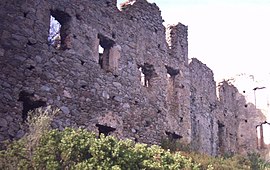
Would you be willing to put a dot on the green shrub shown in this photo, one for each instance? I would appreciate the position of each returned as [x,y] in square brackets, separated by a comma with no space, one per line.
[173,145]
[257,163]
[80,149]
[42,148]
[19,154]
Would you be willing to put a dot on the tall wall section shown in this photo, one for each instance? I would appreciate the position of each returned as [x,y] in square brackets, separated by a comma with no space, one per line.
[132,90]
[140,87]
[240,120]
[203,100]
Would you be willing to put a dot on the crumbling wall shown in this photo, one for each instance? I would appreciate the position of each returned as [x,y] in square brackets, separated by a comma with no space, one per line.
[203,103]
[74,79]
[231,103]
[178,88]
[140,87]
[240,131]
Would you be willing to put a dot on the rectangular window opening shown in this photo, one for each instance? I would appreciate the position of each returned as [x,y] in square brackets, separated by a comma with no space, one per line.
[54,38]
[144,82]
[147,73]
[100,59]
[263,137]
[109,54]
[59,31]
[258,130]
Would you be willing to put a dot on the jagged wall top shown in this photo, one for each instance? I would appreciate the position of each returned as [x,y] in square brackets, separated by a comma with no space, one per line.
[74,79]
[178,42]
[140,86]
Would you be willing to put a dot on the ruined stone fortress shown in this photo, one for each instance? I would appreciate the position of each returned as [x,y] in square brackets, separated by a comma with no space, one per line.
[142,86]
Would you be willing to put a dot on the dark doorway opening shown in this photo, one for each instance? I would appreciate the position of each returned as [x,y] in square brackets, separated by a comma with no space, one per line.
[106,130]
[29,103]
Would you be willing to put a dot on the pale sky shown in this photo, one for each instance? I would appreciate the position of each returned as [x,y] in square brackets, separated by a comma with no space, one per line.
[229,36]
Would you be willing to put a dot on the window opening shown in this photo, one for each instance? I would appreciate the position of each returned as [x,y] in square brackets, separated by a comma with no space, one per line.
[29,103]
[171,73]
[172,138]
[143,81]
[147,73]
[59,31]
[173,135]
[109,53]
[263,137]
[100,52]
[106,130]
[54,38]
[266,129]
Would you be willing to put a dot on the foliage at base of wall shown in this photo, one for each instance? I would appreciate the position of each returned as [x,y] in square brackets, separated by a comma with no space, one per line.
[43,148]
[228,161]
[80,149]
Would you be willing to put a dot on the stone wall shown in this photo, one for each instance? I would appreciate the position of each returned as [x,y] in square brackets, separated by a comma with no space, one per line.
[140,87]
[203,104]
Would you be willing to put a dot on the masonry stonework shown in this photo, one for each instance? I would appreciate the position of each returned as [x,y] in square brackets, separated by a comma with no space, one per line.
[141,87]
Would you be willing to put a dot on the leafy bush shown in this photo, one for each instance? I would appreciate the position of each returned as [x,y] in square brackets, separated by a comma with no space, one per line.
[173,145]
[220,163]
[257,162]
[77,149]
[43,148]
[20,153]
[80,149]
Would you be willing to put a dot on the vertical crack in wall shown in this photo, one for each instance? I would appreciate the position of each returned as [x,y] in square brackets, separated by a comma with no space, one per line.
[221,137]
